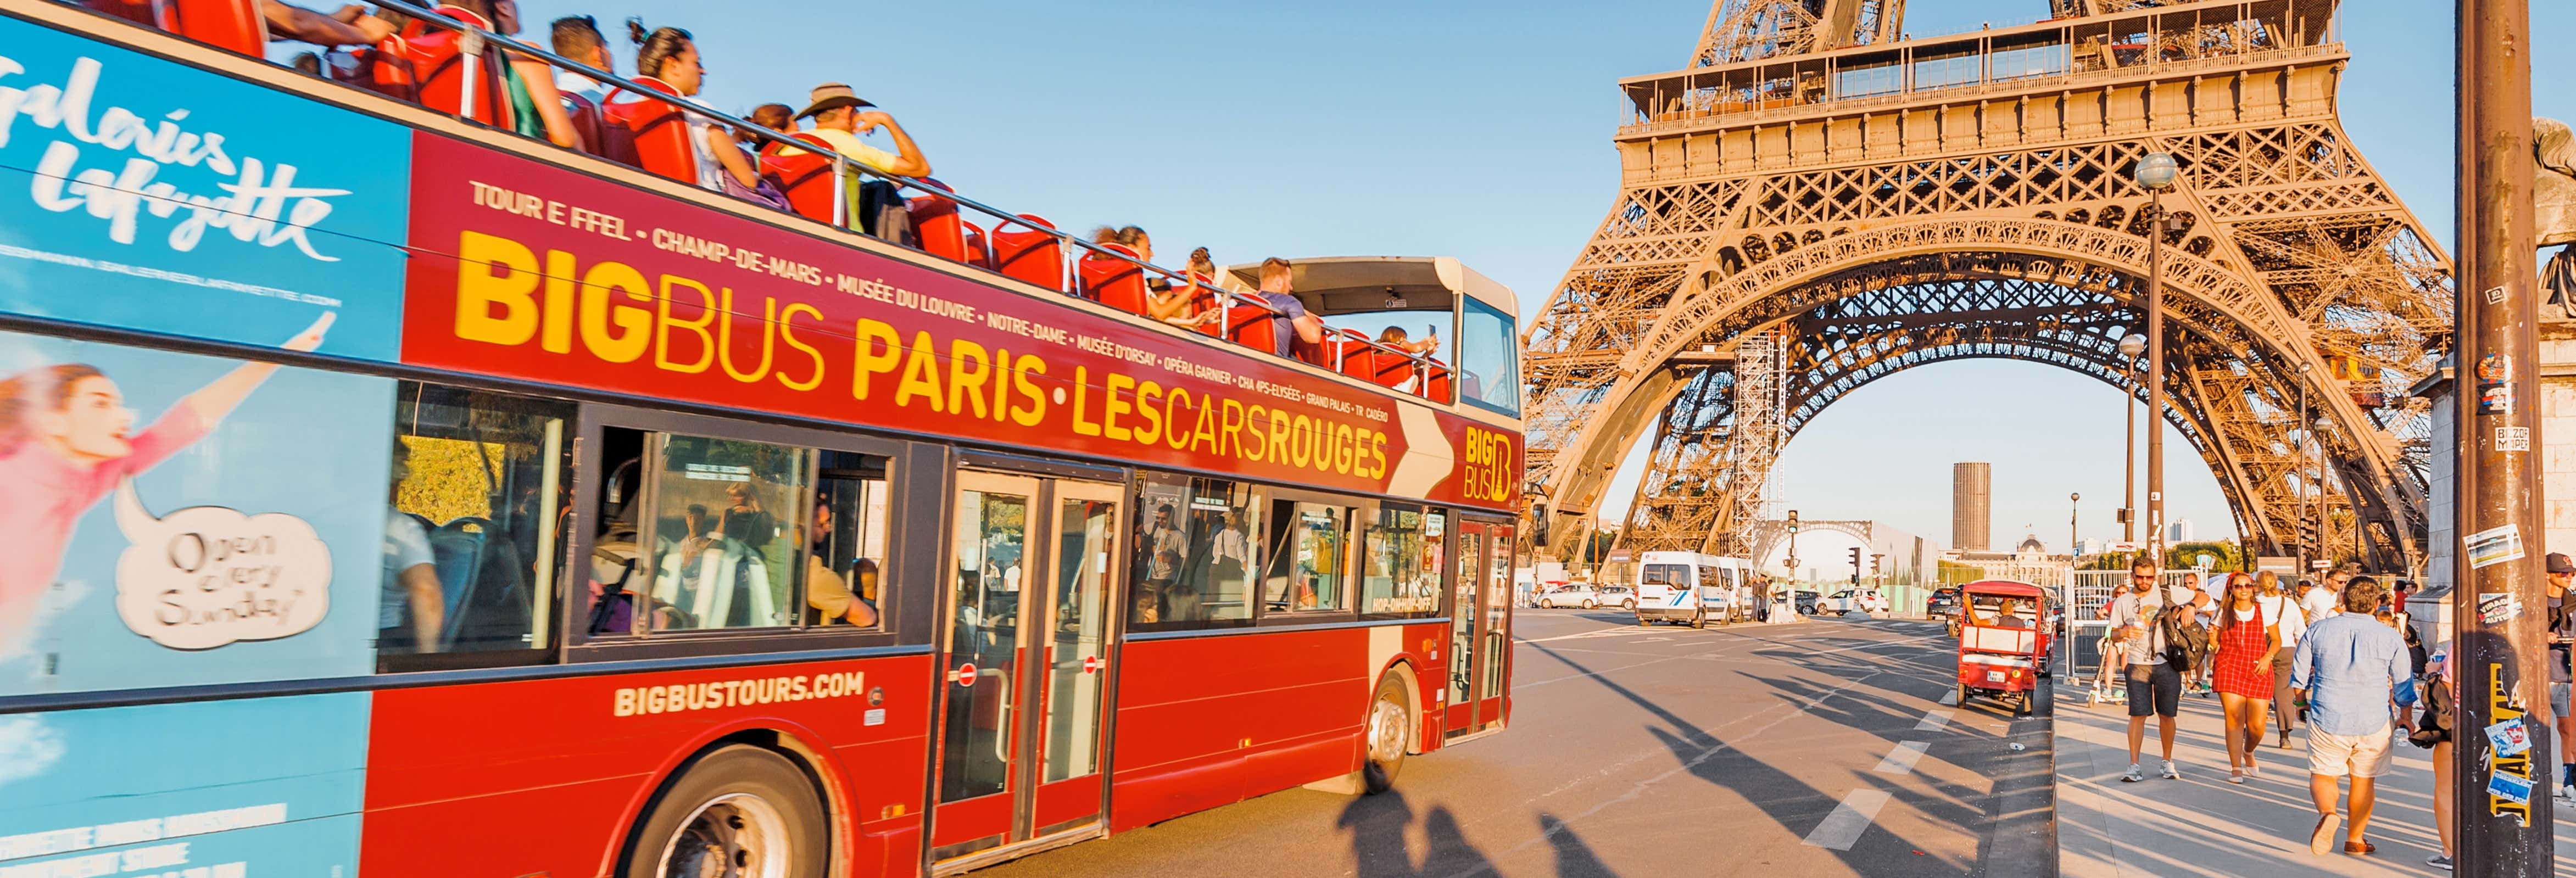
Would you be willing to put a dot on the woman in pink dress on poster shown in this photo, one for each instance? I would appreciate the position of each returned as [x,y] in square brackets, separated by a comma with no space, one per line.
[65,443]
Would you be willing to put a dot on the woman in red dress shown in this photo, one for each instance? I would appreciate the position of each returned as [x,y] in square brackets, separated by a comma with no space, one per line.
[2245,643]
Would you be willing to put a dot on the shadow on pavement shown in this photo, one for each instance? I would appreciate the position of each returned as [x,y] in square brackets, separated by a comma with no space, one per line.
[1378,825]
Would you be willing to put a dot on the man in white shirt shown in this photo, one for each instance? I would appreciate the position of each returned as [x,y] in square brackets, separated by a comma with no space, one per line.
[2155,687]
[2281,610]
[2324,601]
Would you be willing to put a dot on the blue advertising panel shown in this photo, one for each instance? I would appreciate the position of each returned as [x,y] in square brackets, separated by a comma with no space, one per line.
[217,788]
[171,519]
[145,194]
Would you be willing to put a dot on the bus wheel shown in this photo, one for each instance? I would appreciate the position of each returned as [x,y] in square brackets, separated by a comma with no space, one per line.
[740,810]
[1390,730]
[1699,620]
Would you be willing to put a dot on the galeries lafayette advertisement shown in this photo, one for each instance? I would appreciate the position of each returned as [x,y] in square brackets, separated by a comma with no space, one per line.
[529,271]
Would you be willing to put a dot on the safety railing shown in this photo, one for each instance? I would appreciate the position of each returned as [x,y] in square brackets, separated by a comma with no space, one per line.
[976,246]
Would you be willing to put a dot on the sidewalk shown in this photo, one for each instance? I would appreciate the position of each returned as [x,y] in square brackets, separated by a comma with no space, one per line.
[2202,825]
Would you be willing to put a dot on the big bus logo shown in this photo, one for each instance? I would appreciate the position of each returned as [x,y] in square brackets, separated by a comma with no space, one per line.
[1490,467]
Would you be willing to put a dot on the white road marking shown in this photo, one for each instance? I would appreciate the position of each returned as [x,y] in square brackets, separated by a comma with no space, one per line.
[1901,760]
[1950,698]
[1936,720]
[1849,820]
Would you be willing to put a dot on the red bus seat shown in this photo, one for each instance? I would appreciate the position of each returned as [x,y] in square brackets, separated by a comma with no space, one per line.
[806,177]
[600,135]
[385,69]
[1253,326]
[1114,282]
[1029,254]
[1388,370]
[1204,297]
[236,25]
[937,223]
[979,249]
[1350,356]
[437,59]
[661,132]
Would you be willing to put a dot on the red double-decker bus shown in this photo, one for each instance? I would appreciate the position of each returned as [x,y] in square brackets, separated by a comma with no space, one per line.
[384,493]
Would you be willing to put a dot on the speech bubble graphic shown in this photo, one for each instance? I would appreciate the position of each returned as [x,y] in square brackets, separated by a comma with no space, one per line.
[206,576]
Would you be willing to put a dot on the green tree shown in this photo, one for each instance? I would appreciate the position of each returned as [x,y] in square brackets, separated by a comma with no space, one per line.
[2223,555]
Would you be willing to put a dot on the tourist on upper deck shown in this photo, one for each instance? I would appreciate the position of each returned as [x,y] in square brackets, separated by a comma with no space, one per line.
[839,118]
[1395,337]
[577,38]
[780,118]
[532,106]
[350,26]
[1277,279]
[668,57]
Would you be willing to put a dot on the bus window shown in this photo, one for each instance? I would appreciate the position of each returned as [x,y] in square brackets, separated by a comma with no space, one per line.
[1665,574]
[1309,573]
[474,541]
[1715,577]
[1403,563]
[722,555]
[845,541]
[1197,544]
[1489,368]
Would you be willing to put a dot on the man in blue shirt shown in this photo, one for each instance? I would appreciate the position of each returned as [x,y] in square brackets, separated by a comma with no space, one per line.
[2347,666]
[1294,323]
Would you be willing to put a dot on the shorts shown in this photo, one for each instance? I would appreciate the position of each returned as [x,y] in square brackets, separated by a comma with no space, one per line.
[2558,700]
[2363,755]
[2154,690]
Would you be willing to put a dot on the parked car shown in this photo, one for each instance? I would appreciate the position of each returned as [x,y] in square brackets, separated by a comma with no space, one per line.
[1942,602]
[1805,601]
[1620,596]
[1572,594]
[1853,600]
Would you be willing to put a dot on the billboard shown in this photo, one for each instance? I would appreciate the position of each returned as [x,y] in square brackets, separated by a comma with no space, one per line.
[538,273]
[241,788]
[149,195]
[171,519]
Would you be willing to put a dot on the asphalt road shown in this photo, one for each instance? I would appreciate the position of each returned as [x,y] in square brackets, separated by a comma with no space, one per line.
[1810,750]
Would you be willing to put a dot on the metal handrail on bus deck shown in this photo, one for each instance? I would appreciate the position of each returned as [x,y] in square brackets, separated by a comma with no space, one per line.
[841,166]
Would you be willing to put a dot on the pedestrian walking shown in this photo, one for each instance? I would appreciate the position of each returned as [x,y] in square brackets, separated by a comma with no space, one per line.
[2561,630]
[2348,668]
[2154,626]
[2441,694]
[2246,640]
[2287,618]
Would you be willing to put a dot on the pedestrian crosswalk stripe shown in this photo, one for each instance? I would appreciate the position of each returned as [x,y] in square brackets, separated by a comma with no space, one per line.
[1901,760]
[1849,820]
[1950,698]
[1935,721]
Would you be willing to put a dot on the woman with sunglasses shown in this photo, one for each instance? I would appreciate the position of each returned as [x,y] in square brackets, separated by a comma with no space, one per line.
[2246,640]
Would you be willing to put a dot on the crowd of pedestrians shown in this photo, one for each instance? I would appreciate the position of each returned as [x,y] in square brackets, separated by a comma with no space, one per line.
[2336,657]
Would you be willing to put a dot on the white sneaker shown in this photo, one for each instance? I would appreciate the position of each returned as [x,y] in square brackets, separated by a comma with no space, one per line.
[2566,793]
[2134,775]
[2172,771]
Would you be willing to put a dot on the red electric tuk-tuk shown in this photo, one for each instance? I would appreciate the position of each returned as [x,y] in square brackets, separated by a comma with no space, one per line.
[2003,641]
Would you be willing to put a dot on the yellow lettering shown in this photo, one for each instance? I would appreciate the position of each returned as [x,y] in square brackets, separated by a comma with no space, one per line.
[1230,428]
[964,383]
[493,271]
[1278,437]
[1146,393]
[768,338]
[1203,438]
[600,311]
[1001,384]
[1035,412]
[920,375]
[1082,393]
[1301,441]
[560,298]
[1116,405]
[1343,450]
[1253,418]
[1172,402]
[786,330]
[868,337]
[664,323]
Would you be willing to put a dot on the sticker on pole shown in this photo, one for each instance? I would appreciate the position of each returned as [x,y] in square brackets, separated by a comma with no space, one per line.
[2493,546]
[2509,788]
[2495,295]
[2513,438]
[2511,737]
[2498,608]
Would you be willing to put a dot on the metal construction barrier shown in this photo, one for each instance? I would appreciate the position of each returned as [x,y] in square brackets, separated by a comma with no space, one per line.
[2087,594]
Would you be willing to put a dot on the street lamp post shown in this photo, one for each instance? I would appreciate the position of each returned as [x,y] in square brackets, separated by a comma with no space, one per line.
[2155,173]
[1793,548]
[2131,346]
[2302,448]
[2071,511]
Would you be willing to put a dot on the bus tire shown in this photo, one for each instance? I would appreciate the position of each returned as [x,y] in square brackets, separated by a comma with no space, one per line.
[1386,735]
[741,803]
[1699,619]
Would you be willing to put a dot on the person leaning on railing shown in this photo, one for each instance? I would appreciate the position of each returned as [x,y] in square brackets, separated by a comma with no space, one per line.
[669,57]
[1277,281]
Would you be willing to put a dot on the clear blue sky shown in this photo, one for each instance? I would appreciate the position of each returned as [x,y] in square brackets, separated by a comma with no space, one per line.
[1482,131]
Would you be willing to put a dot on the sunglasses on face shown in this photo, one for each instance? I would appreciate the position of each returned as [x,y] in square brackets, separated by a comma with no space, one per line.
[2241,585]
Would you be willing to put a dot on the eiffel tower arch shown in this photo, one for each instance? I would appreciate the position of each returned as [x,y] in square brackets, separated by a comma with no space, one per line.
[1820,200]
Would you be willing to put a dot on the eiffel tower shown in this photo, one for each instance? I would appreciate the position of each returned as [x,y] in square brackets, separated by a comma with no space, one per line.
[1819,200]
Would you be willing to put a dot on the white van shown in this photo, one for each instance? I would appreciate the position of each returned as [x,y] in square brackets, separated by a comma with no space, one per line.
[1693,588]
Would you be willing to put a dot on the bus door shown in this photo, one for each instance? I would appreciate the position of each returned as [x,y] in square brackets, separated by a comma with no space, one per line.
[1025,662]
[1480,630]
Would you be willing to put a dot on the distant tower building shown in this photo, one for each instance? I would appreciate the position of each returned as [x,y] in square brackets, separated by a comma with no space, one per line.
[2178,532]
[1971,507]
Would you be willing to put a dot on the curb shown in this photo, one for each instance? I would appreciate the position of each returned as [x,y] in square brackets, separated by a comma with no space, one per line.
[2024,842]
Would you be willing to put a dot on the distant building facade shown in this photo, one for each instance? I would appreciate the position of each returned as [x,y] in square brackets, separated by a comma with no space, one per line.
[2178,531]
[1971,506]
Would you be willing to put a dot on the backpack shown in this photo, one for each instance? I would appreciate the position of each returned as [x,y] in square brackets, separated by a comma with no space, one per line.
[2186,640]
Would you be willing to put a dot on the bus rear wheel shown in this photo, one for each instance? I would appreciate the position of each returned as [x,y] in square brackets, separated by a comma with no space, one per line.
[1389,732]
[740,810]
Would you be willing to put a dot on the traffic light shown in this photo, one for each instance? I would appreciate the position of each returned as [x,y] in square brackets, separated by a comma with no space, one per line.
[1855,553]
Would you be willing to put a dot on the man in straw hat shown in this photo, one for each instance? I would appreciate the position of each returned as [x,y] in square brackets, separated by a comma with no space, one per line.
[839,118]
